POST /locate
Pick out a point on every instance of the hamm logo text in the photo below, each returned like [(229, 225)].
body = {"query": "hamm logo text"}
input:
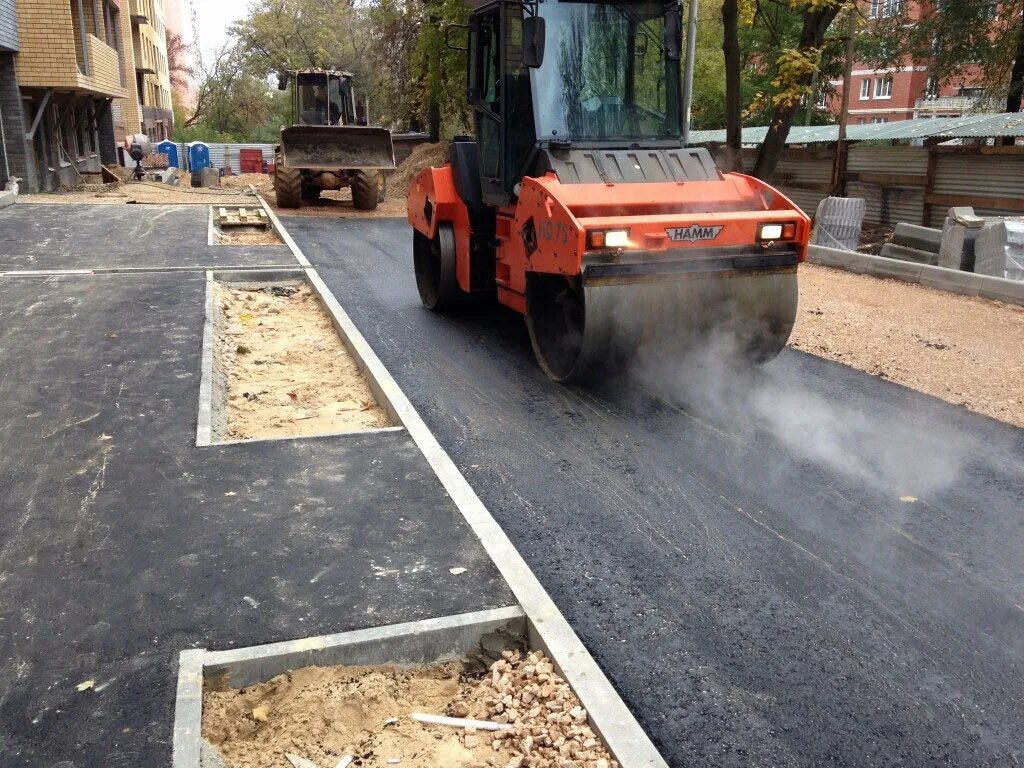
[(693, 233)]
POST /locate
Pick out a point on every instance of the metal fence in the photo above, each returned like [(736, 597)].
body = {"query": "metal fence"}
[(902, 183)]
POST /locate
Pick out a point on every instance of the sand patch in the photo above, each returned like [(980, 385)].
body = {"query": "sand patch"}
[(325, 713), (246, 236), (286, 372)]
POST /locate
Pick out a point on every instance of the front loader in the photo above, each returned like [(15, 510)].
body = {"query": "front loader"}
[(326, 148), (578, 206)]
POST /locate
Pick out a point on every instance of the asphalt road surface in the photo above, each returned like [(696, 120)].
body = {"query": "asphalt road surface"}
[(800, 566)]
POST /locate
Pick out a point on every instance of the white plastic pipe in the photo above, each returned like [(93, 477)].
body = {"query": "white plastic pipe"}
[(458, 722)]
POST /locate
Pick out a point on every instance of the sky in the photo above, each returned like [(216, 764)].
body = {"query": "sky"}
[(214, 17)]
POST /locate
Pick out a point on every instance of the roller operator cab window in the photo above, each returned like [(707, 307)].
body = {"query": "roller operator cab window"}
[(606, 75)]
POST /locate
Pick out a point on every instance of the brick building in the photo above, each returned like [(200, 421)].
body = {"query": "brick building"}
[(905, 90), (14, 161), (152, 75), (69, 71)]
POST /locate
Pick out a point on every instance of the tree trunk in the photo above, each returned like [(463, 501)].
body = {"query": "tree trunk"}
[(1013, 98), (733, 97), (816, 24), (1013, 101)]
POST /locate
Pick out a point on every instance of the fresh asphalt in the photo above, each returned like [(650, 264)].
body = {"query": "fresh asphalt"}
[(122, 543), (803, 566)]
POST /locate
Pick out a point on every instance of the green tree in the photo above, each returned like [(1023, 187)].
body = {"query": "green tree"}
[(783, 48)]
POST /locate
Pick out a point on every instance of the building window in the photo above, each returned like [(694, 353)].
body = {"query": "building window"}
[(883, 88), (865, 88), (879, 120), (885, 9)]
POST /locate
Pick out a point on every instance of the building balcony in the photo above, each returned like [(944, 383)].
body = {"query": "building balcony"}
[(139, 11), (96, 69), (960, 104)]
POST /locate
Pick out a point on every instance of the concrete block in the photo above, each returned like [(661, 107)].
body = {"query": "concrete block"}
[(990, 250), (966, 217), (211, 177), (955, 240), (838, 222), (920, 238), (1015, 249), (7, 199), (903, 253)]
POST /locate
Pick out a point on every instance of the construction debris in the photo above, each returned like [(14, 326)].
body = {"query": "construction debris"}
[(242, 217), (549, 724), (522, 714), (460, 722)]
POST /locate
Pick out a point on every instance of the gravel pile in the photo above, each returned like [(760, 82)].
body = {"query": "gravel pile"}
[(549, 725)]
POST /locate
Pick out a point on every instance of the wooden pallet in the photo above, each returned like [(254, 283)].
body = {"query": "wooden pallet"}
[(243, 217)]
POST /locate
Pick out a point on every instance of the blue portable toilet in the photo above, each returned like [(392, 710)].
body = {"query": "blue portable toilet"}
[(198, 156), (170, 149)]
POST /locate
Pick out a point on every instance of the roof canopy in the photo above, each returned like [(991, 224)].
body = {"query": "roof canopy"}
[(970, 127)]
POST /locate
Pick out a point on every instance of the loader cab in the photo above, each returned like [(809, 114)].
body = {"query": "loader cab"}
[(321, 98), (559, 77)]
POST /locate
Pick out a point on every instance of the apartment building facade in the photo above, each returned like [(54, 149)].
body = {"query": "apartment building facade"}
[(905, 90), (69, 72), (152, 73)]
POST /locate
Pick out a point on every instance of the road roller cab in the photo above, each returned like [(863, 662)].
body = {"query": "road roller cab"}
[(578, 206)]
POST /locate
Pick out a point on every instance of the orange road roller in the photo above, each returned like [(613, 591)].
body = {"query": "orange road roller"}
[(578, 206)]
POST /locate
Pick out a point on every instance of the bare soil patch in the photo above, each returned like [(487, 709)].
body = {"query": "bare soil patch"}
[(338, 205), (423, 156), (287, 372), (145, 193), (324, 714), (967, 351), (247, 236)]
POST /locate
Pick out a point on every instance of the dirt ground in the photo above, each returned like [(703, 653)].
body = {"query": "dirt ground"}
[(247, 236), (288, 373), (152, 193), (322, 714), (963, 350), (338, 205)]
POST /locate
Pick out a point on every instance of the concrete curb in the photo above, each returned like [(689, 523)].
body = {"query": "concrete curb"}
[(940, 278), (609, 715)]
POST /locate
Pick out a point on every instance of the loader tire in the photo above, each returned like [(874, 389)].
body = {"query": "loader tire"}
[(434, 261), (365, 191), (287, 186)]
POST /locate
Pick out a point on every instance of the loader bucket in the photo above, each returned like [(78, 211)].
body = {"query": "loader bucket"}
[(332, 148)]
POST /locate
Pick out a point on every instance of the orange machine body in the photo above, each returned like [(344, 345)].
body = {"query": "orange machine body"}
[(679, 228)]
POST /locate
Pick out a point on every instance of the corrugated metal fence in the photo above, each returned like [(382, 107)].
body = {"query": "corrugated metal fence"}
[(225, 155), (901, 183)]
